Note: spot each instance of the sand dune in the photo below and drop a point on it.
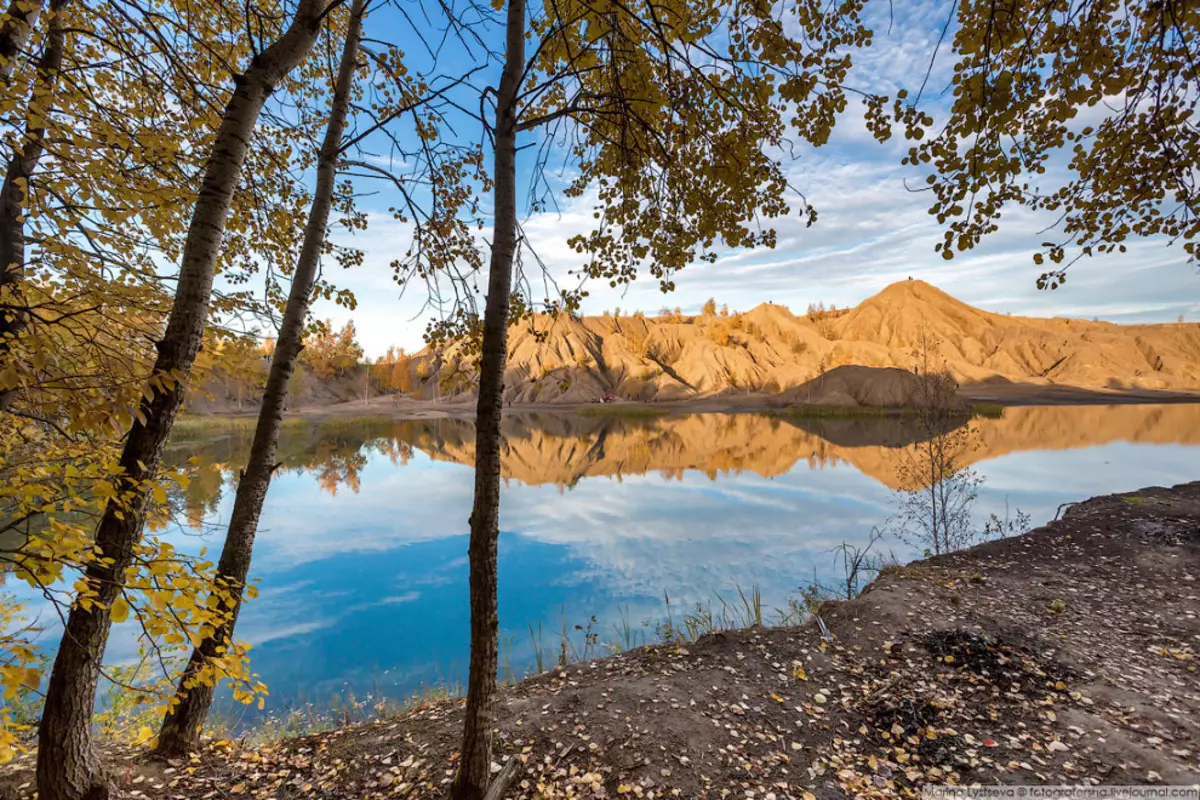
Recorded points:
(769, 349)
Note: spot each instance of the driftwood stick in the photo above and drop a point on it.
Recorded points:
(503, 778)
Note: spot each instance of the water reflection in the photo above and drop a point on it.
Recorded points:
(562, 449)
(361, 550)
(334, 454)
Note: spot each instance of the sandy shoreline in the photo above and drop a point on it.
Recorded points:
(1005, 394)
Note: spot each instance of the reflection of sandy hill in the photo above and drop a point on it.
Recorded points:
(561, 449)
(573, 360)
(1064, 427)
(1030, 428)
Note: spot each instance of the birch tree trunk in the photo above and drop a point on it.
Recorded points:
(67, 768)
(181, 728)
(21, 165)
(19, 21)
(474, 768)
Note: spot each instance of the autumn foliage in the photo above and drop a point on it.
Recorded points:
(330, 353)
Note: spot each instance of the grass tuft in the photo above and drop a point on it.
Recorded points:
(340, 710)
(827, 412)
(623, 412)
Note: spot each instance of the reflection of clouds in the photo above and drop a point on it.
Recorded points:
(1039, 482)
(391, 600)
(336, 572)
(645, 536)
(394, 600)
(275, 631)
(284, 611)
(394, 506)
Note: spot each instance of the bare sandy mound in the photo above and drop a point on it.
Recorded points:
(877, 387)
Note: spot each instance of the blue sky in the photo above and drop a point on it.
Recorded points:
(871, 231)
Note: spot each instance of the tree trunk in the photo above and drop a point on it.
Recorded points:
(181, 728)
(933, 499)
(67, 768)
(19, 21)
(15, 189)
(474, 767)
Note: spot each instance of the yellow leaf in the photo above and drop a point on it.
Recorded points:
(120, 610)
(33, 678)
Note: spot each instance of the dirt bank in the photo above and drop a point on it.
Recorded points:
(1067, 655)
(1013, 394)
(1025, 394)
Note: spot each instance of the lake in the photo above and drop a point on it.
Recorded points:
(361, 554)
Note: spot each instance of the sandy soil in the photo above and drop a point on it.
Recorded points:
(1007, 394)
(862, 356)
(1021, 394)
(407, 408)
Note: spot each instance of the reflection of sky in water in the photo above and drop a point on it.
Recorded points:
(368, 590)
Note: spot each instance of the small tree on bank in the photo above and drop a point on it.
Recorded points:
(938, 490)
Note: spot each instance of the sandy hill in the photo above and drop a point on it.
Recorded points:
(771, 350)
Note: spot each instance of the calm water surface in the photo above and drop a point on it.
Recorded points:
(361, 551)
